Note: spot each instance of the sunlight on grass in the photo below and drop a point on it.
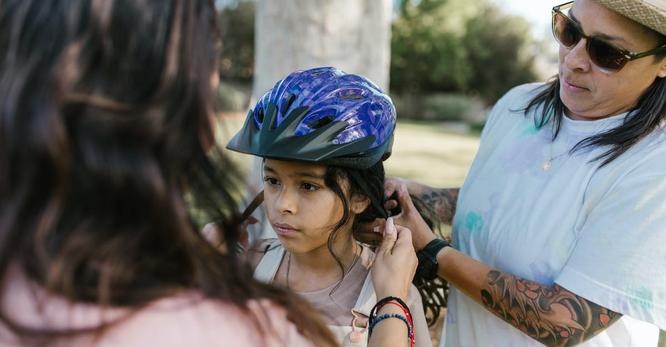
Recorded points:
(430, 154)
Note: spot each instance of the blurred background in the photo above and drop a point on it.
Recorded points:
(444, 62)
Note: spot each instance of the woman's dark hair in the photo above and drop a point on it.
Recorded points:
(105, 121)
(648, 115)
(370, 183)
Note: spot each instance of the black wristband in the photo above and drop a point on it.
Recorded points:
(428, 264)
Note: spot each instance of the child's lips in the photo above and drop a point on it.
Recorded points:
(284, 229)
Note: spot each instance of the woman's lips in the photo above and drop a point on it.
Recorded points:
(574, 87)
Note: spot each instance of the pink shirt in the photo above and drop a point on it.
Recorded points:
(183, 320)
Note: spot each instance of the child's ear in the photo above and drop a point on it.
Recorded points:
(359, 203)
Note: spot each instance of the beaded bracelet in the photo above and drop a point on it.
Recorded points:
(400, 303)
(405, 310)
(383, 301)
(377, 319)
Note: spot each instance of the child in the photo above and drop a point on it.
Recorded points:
(323, 135)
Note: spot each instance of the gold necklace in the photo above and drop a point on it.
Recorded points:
(549, 161)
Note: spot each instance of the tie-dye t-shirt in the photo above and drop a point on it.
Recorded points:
(599, 232)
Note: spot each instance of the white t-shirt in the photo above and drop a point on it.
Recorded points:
(599, 232)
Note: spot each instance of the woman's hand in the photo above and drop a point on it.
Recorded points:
(410, 218)
(395, 262)
(394, 184)
(371, 232)
(442, 201)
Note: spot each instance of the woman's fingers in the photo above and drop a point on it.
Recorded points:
(395, 262)
(403, 239)
(405, 201)
(390, 237)
(391, 185)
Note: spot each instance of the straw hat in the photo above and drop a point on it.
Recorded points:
(651, 13)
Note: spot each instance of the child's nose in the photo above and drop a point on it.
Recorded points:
(287, 202)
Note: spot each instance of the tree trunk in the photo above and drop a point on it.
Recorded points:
(353, 35)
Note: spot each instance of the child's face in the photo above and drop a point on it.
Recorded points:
(301, 208)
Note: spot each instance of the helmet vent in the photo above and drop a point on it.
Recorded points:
(260, 116)
(321, 122)
(288, 103)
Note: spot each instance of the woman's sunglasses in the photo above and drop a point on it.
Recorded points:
(603, 54)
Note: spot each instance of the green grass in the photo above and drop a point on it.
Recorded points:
(431, 154)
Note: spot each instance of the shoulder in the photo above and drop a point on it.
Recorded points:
(510, 108)
(642, 162)
(258, 249)
(186, 319)
(192, 320)
(517, 98)
(520, 96)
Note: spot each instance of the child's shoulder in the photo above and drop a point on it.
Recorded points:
(258, 249)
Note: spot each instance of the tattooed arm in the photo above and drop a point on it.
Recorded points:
(551, 315)
(441, 200)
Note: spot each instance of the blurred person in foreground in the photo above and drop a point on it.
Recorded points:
(559, 228)
(106, 113)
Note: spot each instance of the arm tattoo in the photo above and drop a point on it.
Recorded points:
(553, 315)
(442, 202)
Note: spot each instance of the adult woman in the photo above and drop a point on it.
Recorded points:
(558, 229)
(105, 121)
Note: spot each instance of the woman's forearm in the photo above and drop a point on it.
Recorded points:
(441, 200)
(551, 315)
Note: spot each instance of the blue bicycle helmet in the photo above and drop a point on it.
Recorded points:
(320, 115)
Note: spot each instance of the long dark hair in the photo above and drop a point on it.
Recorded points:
(648, 115)
(105, 121)
(370, 183)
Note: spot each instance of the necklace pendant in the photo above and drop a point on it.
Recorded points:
(546, 165)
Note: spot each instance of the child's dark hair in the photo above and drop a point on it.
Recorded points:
(370, 183)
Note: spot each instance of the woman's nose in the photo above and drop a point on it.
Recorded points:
(576, 58)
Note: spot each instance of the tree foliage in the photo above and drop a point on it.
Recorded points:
(459, 46)
(447, 46)
(236, 20)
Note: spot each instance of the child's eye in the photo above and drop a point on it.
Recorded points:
(271, 181)
(309, 187)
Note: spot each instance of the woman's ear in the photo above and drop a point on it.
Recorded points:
(359, 203)
(662, 71)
